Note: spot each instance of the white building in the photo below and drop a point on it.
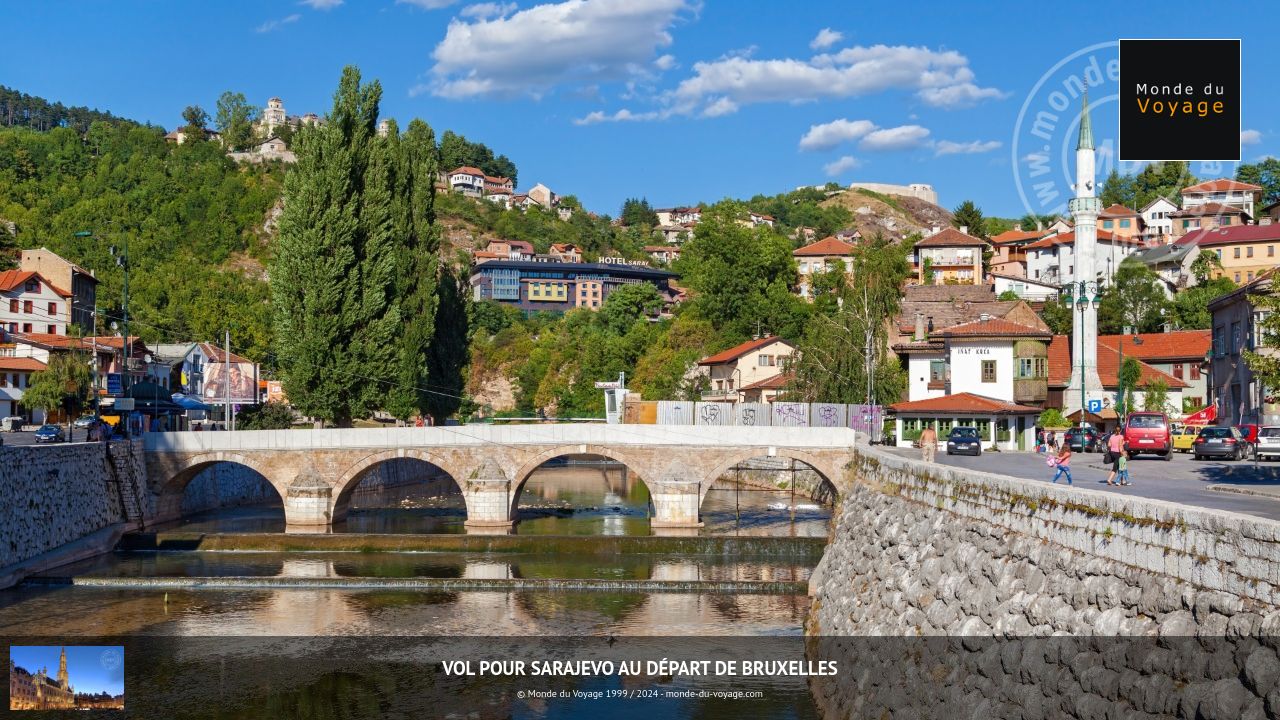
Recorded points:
(1157, 219)
(31, 304)
(467, 180)
(1244, 196)
(1024, 288)
(1053, 259)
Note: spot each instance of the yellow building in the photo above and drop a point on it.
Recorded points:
(950, 257)
(1246, 251)
(38, 691)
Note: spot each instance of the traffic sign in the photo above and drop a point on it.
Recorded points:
(115, 384)
(1094, 406)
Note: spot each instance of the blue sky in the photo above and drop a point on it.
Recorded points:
(678, 101)
(90, 668)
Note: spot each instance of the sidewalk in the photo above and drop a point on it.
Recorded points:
(1266, 491)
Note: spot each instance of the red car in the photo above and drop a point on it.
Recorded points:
(1148, 432)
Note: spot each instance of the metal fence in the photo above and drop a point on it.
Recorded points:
(867, 418)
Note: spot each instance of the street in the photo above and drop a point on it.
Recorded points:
(28, 437)
(1243, 487)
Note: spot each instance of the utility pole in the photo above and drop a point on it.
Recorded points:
(229, 418)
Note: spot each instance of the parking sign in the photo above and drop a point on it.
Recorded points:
(1094, 406)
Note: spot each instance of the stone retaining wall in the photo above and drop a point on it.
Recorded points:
(933, 551)
(54, 495)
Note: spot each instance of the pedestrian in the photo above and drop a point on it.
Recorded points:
(1039, 439)
(928, 443)
(1051, 442)
(1063, 464)
(1115, 451)
(1123, 464)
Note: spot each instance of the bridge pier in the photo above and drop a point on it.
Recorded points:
(676, 498)
(308, 506)
(490, 507)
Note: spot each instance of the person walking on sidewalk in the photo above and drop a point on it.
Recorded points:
(928, 443)
(1115, 448)
(1063, 464)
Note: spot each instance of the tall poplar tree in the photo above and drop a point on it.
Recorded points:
(327, 292)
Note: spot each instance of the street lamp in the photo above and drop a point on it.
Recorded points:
(1084, 295)
(122, 261)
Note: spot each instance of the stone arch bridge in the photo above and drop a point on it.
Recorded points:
(315, 471)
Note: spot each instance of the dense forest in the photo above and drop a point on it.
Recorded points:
(21, 109)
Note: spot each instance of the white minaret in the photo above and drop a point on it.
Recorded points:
(1084, 336)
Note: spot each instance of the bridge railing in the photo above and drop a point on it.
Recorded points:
(479, 435)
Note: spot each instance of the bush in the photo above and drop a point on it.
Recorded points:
(911, 435)
(1053, 418)
(268, 416)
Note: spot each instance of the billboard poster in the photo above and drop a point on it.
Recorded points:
(275, 392)
(243, 378)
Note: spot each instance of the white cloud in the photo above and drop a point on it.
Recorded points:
(488, 10)
(321, 4)
(623, 115)
(428, 4)
(947, 147)
(534, 50)
(722, 106)
(666, 62)
(825, 38)
(902, 137)
(1250, 137)
(844, 164)
(270, 25)
(829, 135)
(940, 78)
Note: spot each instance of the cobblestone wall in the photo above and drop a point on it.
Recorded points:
(54, 495)
(987, 568)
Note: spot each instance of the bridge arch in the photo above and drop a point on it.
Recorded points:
(826, 470)
(351, 477)
(171, 489)
(632, 463)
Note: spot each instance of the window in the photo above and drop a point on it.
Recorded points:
(937, 371)
(1219, 251)
(765, 361)
(1226, 220)
(1235, 338)
(1106, 224)
(1249, 275)
(32, 286)
(1248, 252)
(1235, 253)
(1124, 223)
(1177, 370)
(13, 305)
(988, 371)
(1195, 371)
(53, 329)
(1271, 251)
(28, 307)
(26, 327)
(1219, 341)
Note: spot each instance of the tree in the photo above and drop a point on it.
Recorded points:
(1118, 189)
(1205, 265)
(1190, 307)
(335, 272)
(628, 305)
(1053, 418)
(65, 384)
(967, 215)
(1057, 316)
(1129, 376)
(235, 118)
(1266, 173)
(449, 353)
(1155, 395)
(1008, 295)
(267, 416)
(743, 276)
(196, 120)
(638, 212)
(843, 357)
(1134, 299)
(1264, 361)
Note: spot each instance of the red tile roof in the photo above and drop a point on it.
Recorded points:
(1069, 238)
(775, 382)
(1108, 366)
(738, 351)
(995, 327)
(1157, 347)
(48, 340)
(951, 237)
(1117, 210)
(1012, 236)
(15, 279)
(826, 246)
(1219, 185)
(661, 248)
(1230, 235)
(1209, 208)
(25, 364)
(467, 169)
(963, 404)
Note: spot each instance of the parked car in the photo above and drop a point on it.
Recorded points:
(1250, 433)
(1185, 436)
(1148, 432)
(49, 433)
(964, 440)
(1083, 440)
(1224, 442)
(84, 421)
(13, 423)
(1268, 442)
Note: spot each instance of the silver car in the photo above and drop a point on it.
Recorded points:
(1268, 442)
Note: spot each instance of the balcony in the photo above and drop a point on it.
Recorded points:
(720, 396)
(1030, 390)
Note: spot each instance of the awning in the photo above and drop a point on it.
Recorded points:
(188, 403)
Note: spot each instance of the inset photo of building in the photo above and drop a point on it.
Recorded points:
(88, 677)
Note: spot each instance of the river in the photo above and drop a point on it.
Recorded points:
(568, 593)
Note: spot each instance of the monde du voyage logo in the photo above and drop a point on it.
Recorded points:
(1179, 100)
